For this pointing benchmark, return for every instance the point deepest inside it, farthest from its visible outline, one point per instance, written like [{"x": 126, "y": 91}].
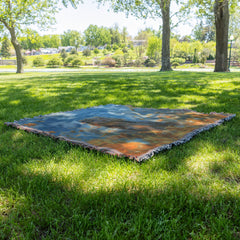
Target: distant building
[
  {"x": 48, "y": 50},
  {"x": 67, "y": 48},
  {"x": 137, "y": 43}
]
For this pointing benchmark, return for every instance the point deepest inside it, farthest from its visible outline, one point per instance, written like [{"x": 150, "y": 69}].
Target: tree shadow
[{"x": 162, "y": 198}]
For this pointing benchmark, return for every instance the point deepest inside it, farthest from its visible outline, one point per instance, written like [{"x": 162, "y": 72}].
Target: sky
[{"x": 88, "y": 13}]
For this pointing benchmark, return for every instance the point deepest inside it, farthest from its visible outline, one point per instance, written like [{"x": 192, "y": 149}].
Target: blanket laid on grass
[{"x": 126, "y": 131}]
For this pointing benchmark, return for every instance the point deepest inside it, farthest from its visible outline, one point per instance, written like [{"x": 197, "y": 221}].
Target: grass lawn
[{"x": 53, "y": 190}]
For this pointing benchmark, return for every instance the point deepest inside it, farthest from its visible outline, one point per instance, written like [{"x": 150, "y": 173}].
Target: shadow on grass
[{"x": 110, "y": 198}]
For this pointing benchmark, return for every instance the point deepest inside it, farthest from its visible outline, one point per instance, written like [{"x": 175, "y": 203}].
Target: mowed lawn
[{"x": 53, "y": 190}]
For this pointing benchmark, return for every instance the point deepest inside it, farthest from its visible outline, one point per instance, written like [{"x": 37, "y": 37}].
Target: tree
[
  {"x": 234, "y": 25},
  {"x": 72, "y": 38},
  {"x": 144, "y": 9},
  {"x": 31, "y": 41},
  {"x": 205, "y": 32},
  {"x": 5, "y": 50},
  {"x": 15, "y": 15},
  {"x": 124, "y": 35},
  {"x": 154, "y": 48},
  {"x": 115, "y": 35},
  {"x": 221, "y": 10},
  {"x": 50, "y": 41},
  {"x": 97, "y": 36}
]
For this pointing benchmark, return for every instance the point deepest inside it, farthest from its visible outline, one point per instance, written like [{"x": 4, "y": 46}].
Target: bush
[
  {"x": 175, "y": 64},
  {"x": 109, "y": 48},
  {"x": 76, "y": 62},
  {"x": 63, "y": 54},
  {"x": 54, "y": 62},
  {"x": 74, "y": 51},
  {"x": 125, "y": 50},
  {"x": 109, "y": 61},
  {"x": 96, "y": 50},
  {"x": 68, "y": 60},
  {"x": 38, "y": 62},
  {"x": 86, "y": 52},
  {"x": 115, "y": 46},
  {"x": 138, "y": 62},
  {"x": 178, "y": 60},
  {"x": 97, "y": 62},
  {"x": 150, "y": 62},
  {"x": 119, "y": 60},
  {"x": 105, "y": 52},
  {"x": 24, "y": 60}
]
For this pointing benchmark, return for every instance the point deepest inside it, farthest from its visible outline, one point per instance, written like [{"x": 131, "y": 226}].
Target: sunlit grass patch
[{"x": 53, "y": 190}]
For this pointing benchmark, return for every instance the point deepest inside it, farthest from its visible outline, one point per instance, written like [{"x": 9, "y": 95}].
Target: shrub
[
  {"x": 38, "y": 62},
  {"x": 74, "y": 51},
  {"x": 96, "y": 50},
  {"x": 97, "y": 62},
  {"x": 118, "y": 52},
  {"x": 76, "y": 62},
  {"x": 175, "y": 64},
  {"x": 109, "y": 61},
  {"x": 109, "y": 48},
  {"x": 150, "y": 62},
  {"x": 119, "y": 60},
  {"x": 125, "y": 50},
  {"x": 105, "y": 52},
  {"x": 63, "y": 54},
  {"x": 68, "y": 60},
  {"x": 24, "y": 60},
  {"x": 138, "y": 62},
  {"x": 54, "y": 62},
  {"x": 86, "y": 52},
  {"x": 178, "y": 60},
  {"x": 115, "y": 46}
]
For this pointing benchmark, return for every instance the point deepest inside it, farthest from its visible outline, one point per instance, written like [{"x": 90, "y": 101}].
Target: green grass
[{"x": 52, "y": 190}]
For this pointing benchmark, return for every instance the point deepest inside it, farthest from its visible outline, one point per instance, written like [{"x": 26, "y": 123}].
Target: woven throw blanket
[{"x": 126, "y": 131}]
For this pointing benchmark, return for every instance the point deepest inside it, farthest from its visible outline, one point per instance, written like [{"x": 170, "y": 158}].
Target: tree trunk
[
  {"x": 221, "y": 12},
  {"x": 17, "y": 48},
  {"x": 165, "y": 8}
]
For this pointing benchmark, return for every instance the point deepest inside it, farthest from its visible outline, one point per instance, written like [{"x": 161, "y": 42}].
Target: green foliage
[
  {"x": 74, "y": 51},
  {"x": 63, "y": 54},
  {"x": 86, "y": 52},
  {"x": 178, "y": 60},
  {"x": 17, "y": 14},
  {"x": 24, "y": 60},
  {"x": 71, "y": 38},
  {"x": 119, "y": 60},
  {"x": 154, "y": 48},
  {"x": 109, "y": 47},
  {"x": 115, "y": 35},
  {"x": 77, "y": 62},
  {"x": 53, "y": 190},
  {"x": 105, "y": 51},
  {"x": 115, "y": 47},
  {"x": 96, "y": 50},
  {"x": 97, "y": 36},
  {"x": 31, "y": 40},
  {"x": 68, "y": 60},
  {"x": 73, "y": 61},
  {"x": 175, "y": 64},
  {"x": 38, "y": 62},
  {"x": 150, "y": 62},
  {"x": 54, "y": 62},
  {"x": 125, "y": 50},
  {"x": 109, "y": 62},
  {"x": 5, "y": 49},
  {"x": 138, "y": 62},
  {"x": 51, "y": 41}
]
